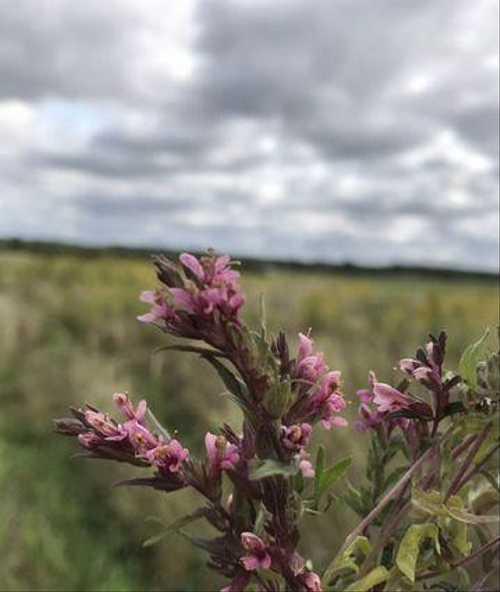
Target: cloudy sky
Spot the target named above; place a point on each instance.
(334, 130)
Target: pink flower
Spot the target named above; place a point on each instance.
(90, 440)
(328, 402)
(409, 365)
(210, 291)
(427, 375)
(295, 437)
(366, 395)
(193, 265)
(104, 425)
(312, 582)
(306, 346)
(258, 556)
(126, 407)
(183, 300)
(140, 437)
(305, 465)
(312, 367)
(160, 310)
(168, 457)
(334, 422)
(368, 419)
(222, 456)
(388, 399)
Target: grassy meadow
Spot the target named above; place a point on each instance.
(69, 335)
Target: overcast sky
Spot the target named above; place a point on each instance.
(335, 130)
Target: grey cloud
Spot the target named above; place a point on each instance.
(287, 99)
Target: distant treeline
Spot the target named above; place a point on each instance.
(251, 264)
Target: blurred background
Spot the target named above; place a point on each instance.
(346, 151)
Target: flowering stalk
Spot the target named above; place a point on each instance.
(268, 464)
(428, 447)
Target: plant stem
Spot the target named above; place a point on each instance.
(491, 545)
(394, 492)
(456, 483)
(476, 468)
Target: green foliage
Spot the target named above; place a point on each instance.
(374, 578)
(409, 548)
(471, 357)
(349, 561)
(174, 527)
(326, 478)
(69, 334)
(271, 468)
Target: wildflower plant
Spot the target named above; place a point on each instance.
(432, 482)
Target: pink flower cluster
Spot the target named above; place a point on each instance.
(132, 436)
(428, 372)
(295, 438)
(320, 385)
(259, 556)
(198, 290)
(222, 456)
(386, 400)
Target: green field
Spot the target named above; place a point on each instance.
(69, 335)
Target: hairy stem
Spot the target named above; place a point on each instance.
(456, 483)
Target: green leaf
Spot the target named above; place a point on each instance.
(472, 355)
(409, 548)
(319, 468)
(263, 319)
(233, 384)
(155, 539)
(270, 468)
(397, 582)
(174, 526)
(493, 481)
(277, 399)
(429, 502)
(354, 499)
(469, 518)
(260, 520)
(349, 559)
(459, 533)
(195, 349)
(374, 578)
(330, 476)
(456, 531)
(158, 428)
(394, 477)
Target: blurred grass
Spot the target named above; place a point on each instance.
(70, 335)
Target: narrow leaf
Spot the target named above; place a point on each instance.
(157, 426)
(270, 467)
(195, 349)
(231, 382)
(372, 579)
(176, 526)
(333, 474)
(319, 468)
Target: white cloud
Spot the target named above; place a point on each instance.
(306, 129)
